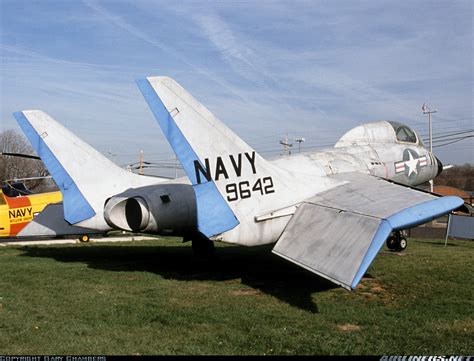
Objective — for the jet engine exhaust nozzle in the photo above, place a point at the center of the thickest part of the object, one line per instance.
(165, 209)
(129, 214)
(440, 166)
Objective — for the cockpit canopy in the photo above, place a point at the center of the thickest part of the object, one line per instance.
(404, 133)
(379, 132)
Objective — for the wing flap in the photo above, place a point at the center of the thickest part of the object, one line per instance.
(337, 234)
(333, 246)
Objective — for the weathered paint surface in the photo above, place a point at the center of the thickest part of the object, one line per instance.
(338, 204)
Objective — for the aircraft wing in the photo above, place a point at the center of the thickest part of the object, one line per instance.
(337, 233)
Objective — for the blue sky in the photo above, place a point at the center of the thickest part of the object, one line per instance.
(311, 68)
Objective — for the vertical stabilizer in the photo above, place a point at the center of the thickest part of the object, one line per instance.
(85, 177)
(231, 180)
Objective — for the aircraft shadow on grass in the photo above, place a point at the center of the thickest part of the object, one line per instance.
(257, 267)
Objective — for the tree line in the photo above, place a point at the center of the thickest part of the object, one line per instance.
(17, 168)
(459, 176)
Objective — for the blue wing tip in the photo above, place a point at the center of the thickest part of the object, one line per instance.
(435, 208)
(456, 201)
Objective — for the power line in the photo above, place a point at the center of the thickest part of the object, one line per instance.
(454, 141)
(455, 138)
(447, 136)
(451, 132)
(454, 120)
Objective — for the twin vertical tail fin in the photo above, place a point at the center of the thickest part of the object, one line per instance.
(85, 177)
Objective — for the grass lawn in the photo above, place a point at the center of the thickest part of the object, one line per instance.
(154, 297)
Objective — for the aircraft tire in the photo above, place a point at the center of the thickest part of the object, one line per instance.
(402, 244)
(391, 243)
(84, 238)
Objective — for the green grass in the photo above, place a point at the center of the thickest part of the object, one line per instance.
(154, 297)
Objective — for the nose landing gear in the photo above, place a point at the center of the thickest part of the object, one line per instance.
(397, 241)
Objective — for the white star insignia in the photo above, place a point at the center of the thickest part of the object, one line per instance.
(412, 164)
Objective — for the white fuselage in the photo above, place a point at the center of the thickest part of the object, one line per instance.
(311, 173)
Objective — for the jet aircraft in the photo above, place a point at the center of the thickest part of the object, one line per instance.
(329, 211)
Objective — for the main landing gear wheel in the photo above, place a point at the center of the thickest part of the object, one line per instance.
(402, 244)
(84, 238)
(391, 242)
(396, 241)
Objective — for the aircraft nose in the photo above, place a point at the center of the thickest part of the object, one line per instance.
(440, 166)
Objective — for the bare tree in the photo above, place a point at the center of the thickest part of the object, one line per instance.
(460, 176)
(12, 167)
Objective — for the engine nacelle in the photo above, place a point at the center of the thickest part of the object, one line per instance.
(167, 209)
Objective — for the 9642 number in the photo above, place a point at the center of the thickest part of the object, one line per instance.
(244, 190)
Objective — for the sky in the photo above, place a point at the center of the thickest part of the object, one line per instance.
(311, 69)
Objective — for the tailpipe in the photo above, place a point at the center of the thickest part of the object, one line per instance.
(129, 214)
(166, 209)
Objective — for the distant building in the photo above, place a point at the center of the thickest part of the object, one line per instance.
(452, 191)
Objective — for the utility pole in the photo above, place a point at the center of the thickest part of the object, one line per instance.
(299, 141)
(426, 110)
(286, 145)
(141, 162)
